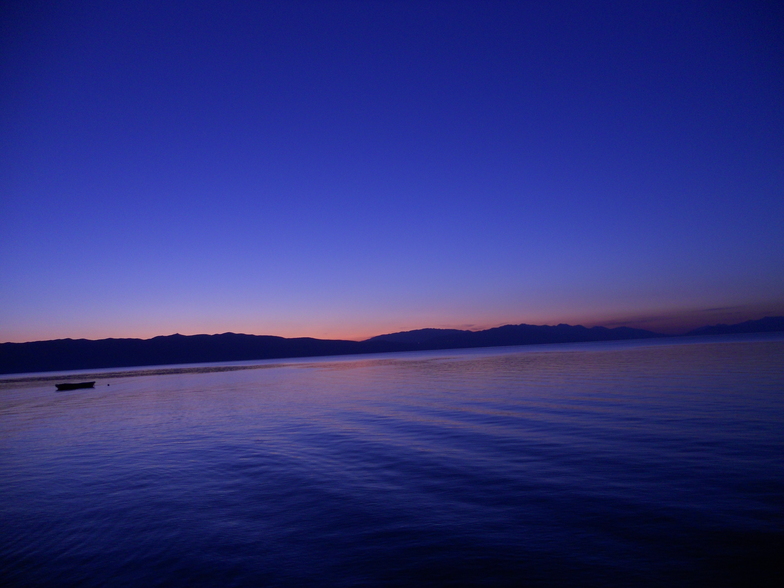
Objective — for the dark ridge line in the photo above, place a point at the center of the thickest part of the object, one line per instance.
(85, 354)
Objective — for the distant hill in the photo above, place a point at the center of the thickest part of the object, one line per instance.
(418, 336)
(769, 324)
(80, 354)
(84, 354)
(510, 335)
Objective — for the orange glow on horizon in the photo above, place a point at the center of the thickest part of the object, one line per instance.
(675, 321)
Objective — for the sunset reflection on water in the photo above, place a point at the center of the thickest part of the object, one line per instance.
(595, 465)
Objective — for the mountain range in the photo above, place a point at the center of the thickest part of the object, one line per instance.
(82, 354)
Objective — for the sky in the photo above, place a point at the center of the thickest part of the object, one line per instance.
(346, 169)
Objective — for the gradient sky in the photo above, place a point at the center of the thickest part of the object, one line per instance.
(345, 169)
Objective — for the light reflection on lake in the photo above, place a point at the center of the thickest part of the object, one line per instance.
(586, 465)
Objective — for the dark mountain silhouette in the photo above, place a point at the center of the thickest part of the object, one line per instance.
(769, 324)
(82, 354)
(78, 354)
(418, 336)
(510, 335)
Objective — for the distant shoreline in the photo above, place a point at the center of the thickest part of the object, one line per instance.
(82, 354)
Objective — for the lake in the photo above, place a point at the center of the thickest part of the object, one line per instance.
(639, 463)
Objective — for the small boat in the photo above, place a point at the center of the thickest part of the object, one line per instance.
(75, 385)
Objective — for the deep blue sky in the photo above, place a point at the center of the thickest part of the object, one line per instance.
(343, 169)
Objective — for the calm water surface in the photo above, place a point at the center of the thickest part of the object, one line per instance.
(624, 464)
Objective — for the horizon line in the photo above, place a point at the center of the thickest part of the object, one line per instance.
(617, 325)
